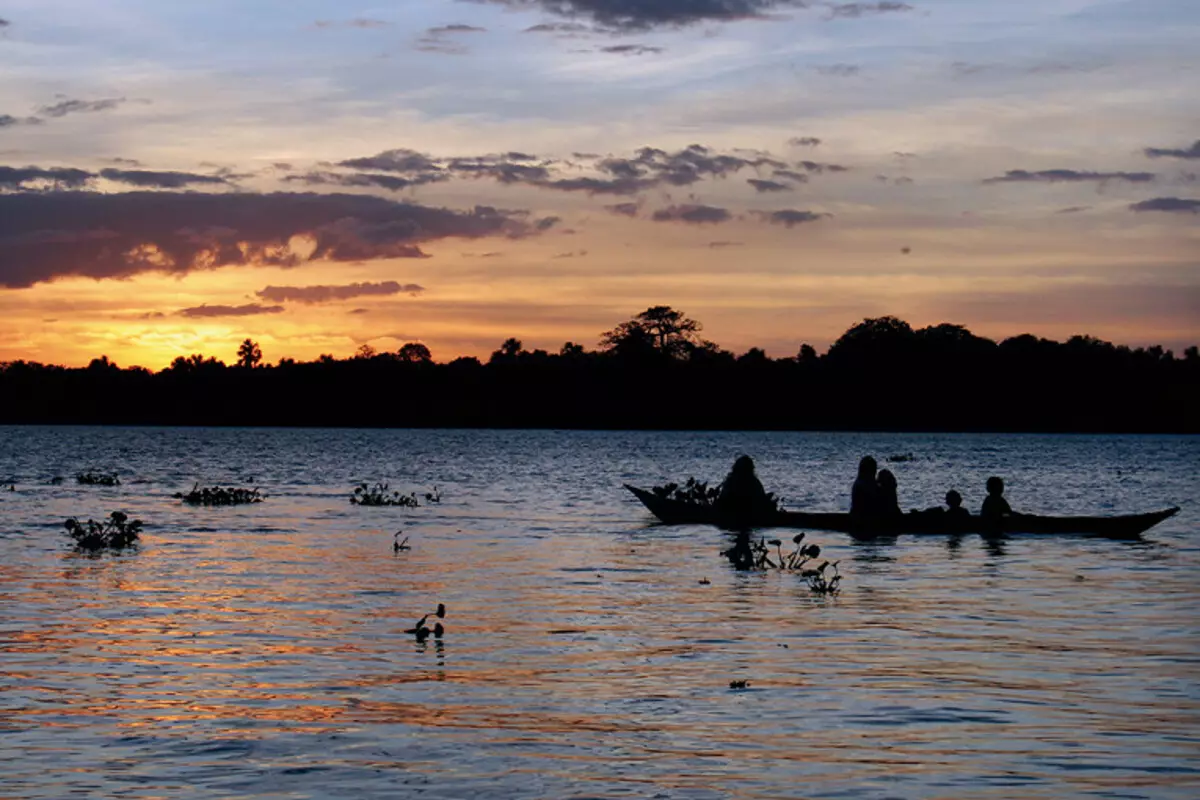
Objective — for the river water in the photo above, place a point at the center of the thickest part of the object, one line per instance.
(259, 651)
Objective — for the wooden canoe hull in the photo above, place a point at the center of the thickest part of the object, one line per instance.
(1131, 526)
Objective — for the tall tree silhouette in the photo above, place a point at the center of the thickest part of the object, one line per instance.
(659, 330)
(249, 354)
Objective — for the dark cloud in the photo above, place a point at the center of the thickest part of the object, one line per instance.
(455, 28)
(546, 223)
(328, 294)
(1072, 210)
(696, 214)
(571, 254)
(839, 70)
(66, 107)
(631, 49)
(617, 186)
(791, 217)
(768, 186)
(855, 10)
(393, 183)
(818, 168)
(1167, 152)
(282, 166)
(499, 168)
(804, 141)
(624, 209)
(1069, 176)
(1179, 205)
(61, 177)
(559, 27)
(128, 162)
(359, 311)
(159, 180)
(46, 235)
(640, 15)
(9, 121)
(791, 175)
(402, 160)
(250, 309)
(4, 23)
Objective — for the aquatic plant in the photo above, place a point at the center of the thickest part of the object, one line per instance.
(93, 478)
(739, 684)
(115, 533)
(750, 554)
(219, 496)
(701, 494)
(399, 544)
(901, 457)
(377, 495)
(422, 632)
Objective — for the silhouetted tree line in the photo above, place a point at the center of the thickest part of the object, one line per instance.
(653, 371)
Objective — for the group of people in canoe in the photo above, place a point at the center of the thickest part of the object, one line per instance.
(872, 497)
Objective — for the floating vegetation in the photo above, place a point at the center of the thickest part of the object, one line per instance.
(749, 554)
(693, 491)
(93, 478)
(219, 496)
(399, 544)
(377, 495)
(899, 458)
(115, 533)
(422, 632)
(739, 684)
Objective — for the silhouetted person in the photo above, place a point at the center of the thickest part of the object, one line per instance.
(742, 495)
(994, 505)
(887, 504)
(956, 512)
(864, 495)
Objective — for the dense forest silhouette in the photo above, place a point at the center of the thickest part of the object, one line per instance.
(654, 371)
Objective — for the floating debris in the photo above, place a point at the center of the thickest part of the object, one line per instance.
(116, 533)
(219, 496)
(377, 495)
(93, 478)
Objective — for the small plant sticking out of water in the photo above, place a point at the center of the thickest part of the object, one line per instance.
(377, 495)
(422, 632)
(219, 496)
(749, 554)
(93, 478)
(693, 491)
(739, 684)
(115, 533)
(900, 458)
(399, 544)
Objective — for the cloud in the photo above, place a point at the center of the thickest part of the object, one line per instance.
(855, 10)
(571, 254)
(393, 183)
(768, 186)
(328, 294)
(247, 310)
(1167, 152)
(839, 70)
(1175, 204)
(401, 160)
(624, 209)
(66, 107)
(8, 121)
(818, 168)
(724, 243)
(358, 22)
(791, 175)
(640, 15)
(558, 27)
(1072, 210)
(631, 49)
(1069, 176)
(51, 234)
(455, 28)
(804, 141)
(695, 214)
(791, 217)
(4, 23)
(62, 177)
(161, 180)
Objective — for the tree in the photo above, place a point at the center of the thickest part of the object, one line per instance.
(508, 352)
(249, 354)
(660, 329)
(414, 353)
(882, 339)
(571, 350)
(365, 352)
(807, 354)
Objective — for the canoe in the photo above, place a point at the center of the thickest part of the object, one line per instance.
(1130, 526)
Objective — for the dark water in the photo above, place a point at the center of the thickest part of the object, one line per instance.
(259, 651)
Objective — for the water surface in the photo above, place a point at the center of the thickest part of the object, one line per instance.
(259, 651)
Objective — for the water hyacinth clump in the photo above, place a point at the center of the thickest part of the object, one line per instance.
(377, 495)
(220, 496)
(116, 533)
(94, 478)
(750, 554)
(693, 491)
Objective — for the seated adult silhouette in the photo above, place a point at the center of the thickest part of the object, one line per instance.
(742, 496)
(887, 504)
(864, 495)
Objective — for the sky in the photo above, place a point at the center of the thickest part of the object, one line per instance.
(320, 175)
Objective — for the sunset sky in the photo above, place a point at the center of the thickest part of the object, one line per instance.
(316, 175)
